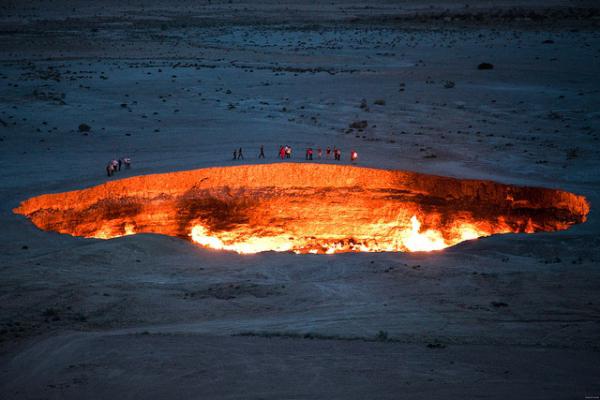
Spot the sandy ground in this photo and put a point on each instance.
(180, 86)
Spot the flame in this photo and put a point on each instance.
(426, 241)
(407, 239)
(109, 232)
(249, 245)
(306, 208)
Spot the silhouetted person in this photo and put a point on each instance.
(235, 154)
(109, 169)
(282, 152)
(240, 155)
(353, 155)
(262, 152)
(328, 152)
(320, 153)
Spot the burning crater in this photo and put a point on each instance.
(306, 208)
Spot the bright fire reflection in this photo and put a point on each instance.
(410, 239)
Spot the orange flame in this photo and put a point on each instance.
(108, 232)
(407, 239)
(306, 208)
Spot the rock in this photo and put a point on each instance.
(436, 345)
(84, 128)
(449, 84)
(359, 124)
(485, 65)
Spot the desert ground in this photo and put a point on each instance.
(179, 86)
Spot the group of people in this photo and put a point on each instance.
(115, 165)
(285, 151)
(337, 154)
(238, 155)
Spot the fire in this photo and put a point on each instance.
(428, 240)
(407, 239)
(306, 208)
(247, 245)
(109, 232)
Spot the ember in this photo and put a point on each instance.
(306, 208)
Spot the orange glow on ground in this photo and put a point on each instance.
(306, 208)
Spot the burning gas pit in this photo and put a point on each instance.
(306, 208)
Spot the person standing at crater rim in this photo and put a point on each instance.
(309, 153)
(235, 154)
(109, 169)
(337, 154)
(240, 155)
(262, 152)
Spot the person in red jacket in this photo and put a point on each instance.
(309, 153)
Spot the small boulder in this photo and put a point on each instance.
(359, 125)
(84, 128)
